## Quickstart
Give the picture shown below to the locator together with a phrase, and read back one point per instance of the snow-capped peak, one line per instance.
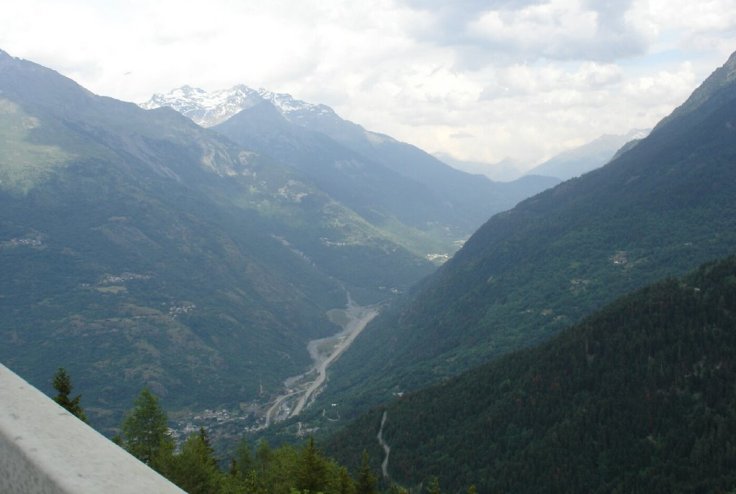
(288, 106)
(211, 108)
(206, 108)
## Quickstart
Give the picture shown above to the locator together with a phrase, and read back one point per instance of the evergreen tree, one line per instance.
(145, 431)
(434, 486)
(397, 489)
(195, 469)
(311, 472)
(345, 484)
(367, 482)
(63, 385)
(243, 461)
(263, 456)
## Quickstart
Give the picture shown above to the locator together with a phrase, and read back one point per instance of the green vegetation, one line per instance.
(161, 255)
(194, 467)
(367, 482)
(63, 385)
(23, 163)
(145, 431)
(639, 397)
(151, 252)
(660, 209)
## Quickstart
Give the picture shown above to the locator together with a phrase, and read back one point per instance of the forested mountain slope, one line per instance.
(660, 209)
(139, 249)
(638, 397)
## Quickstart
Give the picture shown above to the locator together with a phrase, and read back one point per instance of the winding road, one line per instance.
(384, 445)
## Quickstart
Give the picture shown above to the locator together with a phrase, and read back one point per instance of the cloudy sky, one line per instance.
(481, 80)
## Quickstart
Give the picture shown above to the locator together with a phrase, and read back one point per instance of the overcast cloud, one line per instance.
(481, 80)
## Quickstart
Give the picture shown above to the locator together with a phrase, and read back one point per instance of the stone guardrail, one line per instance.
(46, 450)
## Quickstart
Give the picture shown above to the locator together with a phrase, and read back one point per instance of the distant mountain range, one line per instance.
(564, 166)
(659, 209)
(427, 206)
(575, 162)
(505, 170)
(211, 108)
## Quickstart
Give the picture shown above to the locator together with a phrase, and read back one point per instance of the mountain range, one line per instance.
(660, 209)
(208, 109)
(505, 170)
(140, 249)
(425, 205)
(635, 396)
(594, 154)
(563, 166)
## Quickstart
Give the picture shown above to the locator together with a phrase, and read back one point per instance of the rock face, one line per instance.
(211, 108)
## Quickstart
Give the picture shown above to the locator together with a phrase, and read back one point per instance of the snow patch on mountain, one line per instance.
(206, 108)
(288, 106)
(211, 108)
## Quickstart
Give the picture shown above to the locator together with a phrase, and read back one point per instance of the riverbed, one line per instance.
(300, 391)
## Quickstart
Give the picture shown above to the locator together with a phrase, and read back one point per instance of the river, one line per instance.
(299, 391)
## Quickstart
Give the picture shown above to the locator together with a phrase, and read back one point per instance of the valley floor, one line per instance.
(300, 390)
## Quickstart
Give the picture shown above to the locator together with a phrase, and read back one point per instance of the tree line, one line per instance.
(194, 466)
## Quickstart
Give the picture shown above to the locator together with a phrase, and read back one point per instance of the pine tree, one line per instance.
(397, 489)
(263, 456)
(63, 385)
(367, 482)
(195, 469)
(243, 459)
(434, 486)
(345, 484)
(145, 432)
(311, 470)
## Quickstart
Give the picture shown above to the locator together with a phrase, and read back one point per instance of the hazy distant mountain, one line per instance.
(505, 170)
(637, 398)
(426, 205)
(660, 209)
(138, 248)
(596, 153)
(387, 199)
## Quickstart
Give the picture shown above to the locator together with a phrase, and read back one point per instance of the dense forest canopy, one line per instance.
(638, 397)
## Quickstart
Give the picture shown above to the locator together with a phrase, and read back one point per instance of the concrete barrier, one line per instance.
(46, 450)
